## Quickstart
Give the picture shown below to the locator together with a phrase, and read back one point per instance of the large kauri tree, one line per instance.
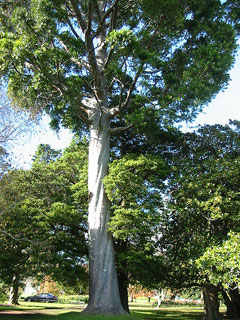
(86, 63)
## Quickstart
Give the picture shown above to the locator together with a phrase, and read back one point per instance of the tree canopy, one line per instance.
(43, 218)
(170, 56)
(107, 65)
(204, 206)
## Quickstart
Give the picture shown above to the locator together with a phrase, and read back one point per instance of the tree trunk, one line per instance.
(235, 301)
(161, 296)
(211, 303)
(104, 295)
(229, 304)
(13, 295)
(123, 289)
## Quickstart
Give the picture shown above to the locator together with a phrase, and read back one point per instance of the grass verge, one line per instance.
(70, 312)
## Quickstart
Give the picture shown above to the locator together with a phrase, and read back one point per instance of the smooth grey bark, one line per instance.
(103, 283)
(13, 294)
(211, 303)
(94, 110)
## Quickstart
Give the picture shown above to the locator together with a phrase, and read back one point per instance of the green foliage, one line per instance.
(3, 292)
(154, 62)
(133, 186)
(43, 217)
(203, 205)
(182, 48)
(222, 263)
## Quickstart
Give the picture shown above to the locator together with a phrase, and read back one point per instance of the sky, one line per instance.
(225, 106)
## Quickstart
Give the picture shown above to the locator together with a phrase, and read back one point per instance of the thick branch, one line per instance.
(89, 44)
(120, 129)
(97, 10)
(82, 116)
(72, 28)
(114, 111)
(104, 17)
(79, 16)
(80, 63)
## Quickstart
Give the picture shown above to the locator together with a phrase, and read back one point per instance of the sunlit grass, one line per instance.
(57, 311)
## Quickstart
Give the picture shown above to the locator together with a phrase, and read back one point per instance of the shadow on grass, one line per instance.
(167, 315)
(64, 316)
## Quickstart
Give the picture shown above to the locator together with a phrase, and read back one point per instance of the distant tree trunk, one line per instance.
(211, 303)
(229, 304)
(161, 296)
(235, 301)
(104, 295)
(13, 295)
(123, 290)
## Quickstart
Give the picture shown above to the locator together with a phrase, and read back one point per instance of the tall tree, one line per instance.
(43, 220)
(204, 208)
(88, 62)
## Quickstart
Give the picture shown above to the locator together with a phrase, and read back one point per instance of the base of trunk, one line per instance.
(13, 295)
(211, 304)
(104, 310)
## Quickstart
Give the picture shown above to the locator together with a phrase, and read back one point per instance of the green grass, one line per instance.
(58, 311)
(65, 316)
(169, 313)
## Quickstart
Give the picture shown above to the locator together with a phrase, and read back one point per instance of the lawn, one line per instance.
(38, 311)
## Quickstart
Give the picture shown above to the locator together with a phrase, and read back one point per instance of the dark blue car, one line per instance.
(42, 297)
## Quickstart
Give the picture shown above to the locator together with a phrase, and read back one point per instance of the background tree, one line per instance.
(14, 123)
(85, 63)
(203, 203)
(43, 223)
(134, 186)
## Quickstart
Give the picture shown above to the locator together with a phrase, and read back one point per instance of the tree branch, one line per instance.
(104, 17)
(97, 10)
(16, 239)
(79, 16)
(120, 129)
(82, 116)
(72, 28)
(114, 111)
(80, 63)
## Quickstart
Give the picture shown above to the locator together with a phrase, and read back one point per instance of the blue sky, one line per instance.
(225, 106)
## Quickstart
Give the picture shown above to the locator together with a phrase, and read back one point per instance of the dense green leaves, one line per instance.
(134, 187)
(204, 204)
(180, 52)
(43, 217)
(221, 264)
(147, 64)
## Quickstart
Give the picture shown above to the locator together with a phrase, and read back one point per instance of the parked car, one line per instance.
(42, 297)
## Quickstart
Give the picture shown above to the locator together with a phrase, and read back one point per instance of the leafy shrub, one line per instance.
(72, 299)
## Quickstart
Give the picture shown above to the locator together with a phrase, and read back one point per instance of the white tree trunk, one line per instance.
(13, 294)
(103, 287)
(161, 296)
